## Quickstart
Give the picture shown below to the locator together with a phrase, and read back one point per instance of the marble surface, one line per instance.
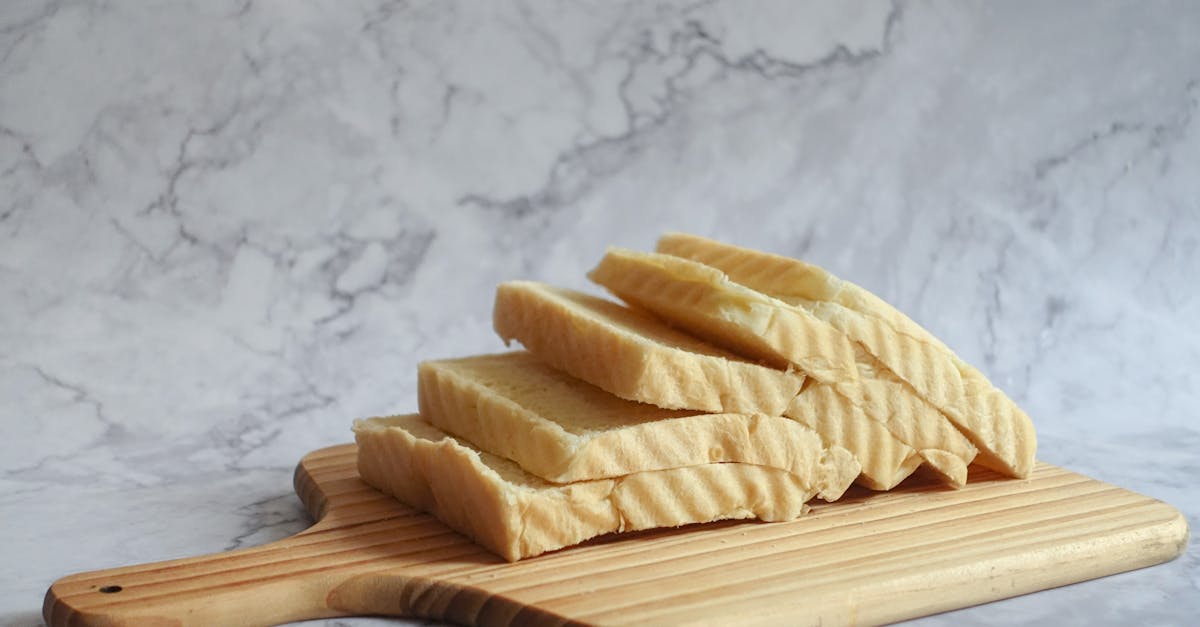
(229, 228)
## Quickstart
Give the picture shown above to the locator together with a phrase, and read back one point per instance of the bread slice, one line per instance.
(885, 460)
(702, 300)
(516, 515)
(563, 429)
(634, 355)
(1002, 432)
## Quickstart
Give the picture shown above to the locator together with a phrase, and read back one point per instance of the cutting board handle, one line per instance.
(214, 590)
(329, 569)
(367, 554)
(191, 591)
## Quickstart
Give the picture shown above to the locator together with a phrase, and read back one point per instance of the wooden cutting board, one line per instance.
(869, 558)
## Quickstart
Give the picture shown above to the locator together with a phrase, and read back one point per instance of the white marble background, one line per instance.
(229, 228)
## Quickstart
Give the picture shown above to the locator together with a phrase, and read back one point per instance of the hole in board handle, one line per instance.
(111, 589)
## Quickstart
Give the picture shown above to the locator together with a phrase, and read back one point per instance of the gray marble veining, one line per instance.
(228, 228)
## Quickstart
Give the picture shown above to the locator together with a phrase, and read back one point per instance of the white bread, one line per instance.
(1003, 433)
(885, 460)
(516, 515)
(911, 419)
(702, 300)
(563, 429)
(634, 355)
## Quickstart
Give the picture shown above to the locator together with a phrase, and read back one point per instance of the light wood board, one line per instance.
(869, 558)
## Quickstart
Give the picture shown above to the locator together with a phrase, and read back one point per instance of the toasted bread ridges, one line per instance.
(1002, 432)
(516, 515)
(702, 300)
(885, 461)
(563, 429)
(635, 356)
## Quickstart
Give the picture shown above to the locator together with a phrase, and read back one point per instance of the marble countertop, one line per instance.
(229, 228)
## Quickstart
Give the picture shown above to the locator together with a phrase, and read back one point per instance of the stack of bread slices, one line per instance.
(731, 384)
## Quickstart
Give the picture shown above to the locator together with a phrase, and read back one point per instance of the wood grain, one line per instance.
(869, 558)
